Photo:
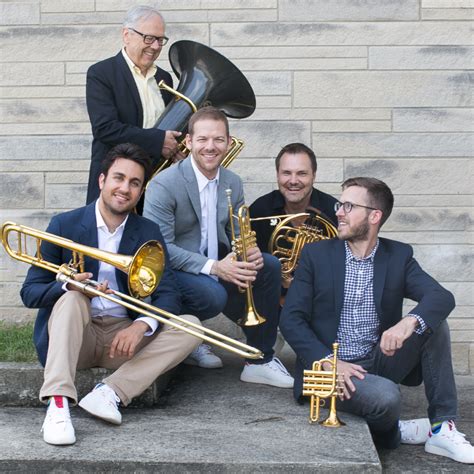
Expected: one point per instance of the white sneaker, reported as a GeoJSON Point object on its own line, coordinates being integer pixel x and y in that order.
{"type": "Point", "coordinates": [57, 427]}
{"type": "Point", "coordinates": [103, 403]}
{"type": "Point", "coordinates": [415, 431]}
{"type": "Point", "coordinates": [451, 443]}
{"type": "Point", "coordinates": [203, 357]}
{"type": "Point", "coordinates": [271, 373]}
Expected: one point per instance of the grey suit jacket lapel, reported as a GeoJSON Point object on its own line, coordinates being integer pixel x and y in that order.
{"type": "Point", "coordinates": [191, 186]}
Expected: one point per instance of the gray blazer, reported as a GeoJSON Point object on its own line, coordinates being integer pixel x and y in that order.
{"type": "Point", "coordinates": [172, 200]}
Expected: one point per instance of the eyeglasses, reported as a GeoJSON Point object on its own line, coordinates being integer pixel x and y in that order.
{"type": "Point", "coordinates": [150, 39]}
{"type": "Point", "coordinates": [347, 206]}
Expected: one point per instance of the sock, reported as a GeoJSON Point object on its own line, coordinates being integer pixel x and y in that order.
{"type": "Point", "coordinates": [436, 427]}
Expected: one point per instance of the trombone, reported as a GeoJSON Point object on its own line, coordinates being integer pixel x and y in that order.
{"type": "Point", "coordinates": [144, 270]}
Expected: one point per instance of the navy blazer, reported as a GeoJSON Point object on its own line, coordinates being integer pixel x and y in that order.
{"type": "Point", "coordinates": [312, 310]}
{"type": "Point", "coordinates": [116, 114]}
{"type": "Point", "coordinates": [41, 290]}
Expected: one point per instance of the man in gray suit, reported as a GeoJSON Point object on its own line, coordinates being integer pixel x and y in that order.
{"type": "Point", "coordinates": [189, 203]}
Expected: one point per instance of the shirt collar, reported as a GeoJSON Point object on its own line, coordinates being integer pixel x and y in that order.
{"type": "Point", "coordinates": [201, 179]}
{"type": "Point", "coordinates": [101, 223]}
{"type": "Point", "coordinates": [350, 256]}
{"type": "Point", "coordinates": [135, 69]}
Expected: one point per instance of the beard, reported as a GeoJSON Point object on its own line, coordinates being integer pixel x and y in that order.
{"type": "Point", "coordinates": [356, 234]}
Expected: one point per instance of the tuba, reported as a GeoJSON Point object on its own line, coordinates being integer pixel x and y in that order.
{"type": "Point", "coordinates": [205, 78]}
{"type": "Point", "coordinates": [240, 245]}
{"type": "Point", "coordinates": [144, 271]}
{"type": "Point", "coordinates": [321, 384]}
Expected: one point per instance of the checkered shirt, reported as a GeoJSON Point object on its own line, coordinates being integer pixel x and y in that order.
{"type": "Point", "coordinates": [358, 330]}
{"type": "Point", "coordinates": [359, 326]}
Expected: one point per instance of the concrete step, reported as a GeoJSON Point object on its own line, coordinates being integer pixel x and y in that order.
{"type": "Point", "coordinates": [20, 384]}
{"type": "Point", "coordinates": [207, 421]}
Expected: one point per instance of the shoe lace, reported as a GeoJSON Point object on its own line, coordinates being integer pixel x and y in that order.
{"type": "Point", "coordinates": [409, 428]}
{"type": "Point", "coordinates": [204, 349]}
{"type": "Point", "coordinates": [56, 414]}
{"type": "Point", "coordinates": [108, 395]}
{"type": "Point", "coordinates": [276, 365]}
{"type": "Point", "coordinates": [454, 435]}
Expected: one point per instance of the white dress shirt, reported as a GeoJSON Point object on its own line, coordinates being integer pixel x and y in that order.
{"type": "Point", "coordinates": [110, 242]}
{"type": "Point", "coordinates": [202, 182]}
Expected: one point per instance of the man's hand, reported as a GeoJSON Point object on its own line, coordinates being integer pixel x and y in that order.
{"type": "Point", "coordinates": [103, 287]}
{"type": "Point", "coordinates": [233, 271]}
{"type": "Point", "coordinates": [255, 256]}
{"type": "Point", "coordinates": [346, 370]}
{"type": "Point", "coordinates": [170, 145]}
{"type": "Point", "coordinates": [126, 340]}
{"type": "Point", "coordinates": [394, 337]}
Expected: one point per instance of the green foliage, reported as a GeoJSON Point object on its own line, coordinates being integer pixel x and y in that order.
{"type": "Point", "coordinates": [16, 343]}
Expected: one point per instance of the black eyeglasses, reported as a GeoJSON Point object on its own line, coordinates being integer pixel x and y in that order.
{"type": "Point", "coordinates": [150, 39]}
{"type": "Point", "coordinates": [347, 206]}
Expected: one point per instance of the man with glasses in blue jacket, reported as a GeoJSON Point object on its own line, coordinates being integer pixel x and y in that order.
{"type": "Point", "coordinates": [351, 290]}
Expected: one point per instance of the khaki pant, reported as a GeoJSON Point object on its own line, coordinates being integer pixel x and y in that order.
{"type": "Point", "coordinates": [77, 341]}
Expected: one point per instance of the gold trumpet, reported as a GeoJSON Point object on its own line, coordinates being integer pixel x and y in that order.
{"type": "Point", "coordinates": [144, 271]}
{"type": "Point", "coordinates": [240, 245]}
{"type": "Point", "coordinates": [287, 241]}
{"type": "Point", "coordinates": [321, 384]}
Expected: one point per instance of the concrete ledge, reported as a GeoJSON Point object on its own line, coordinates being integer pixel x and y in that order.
{"type": "Point", "coordinates": [20, 384]}
{"type": "Point", "coordinates": [208, 421]}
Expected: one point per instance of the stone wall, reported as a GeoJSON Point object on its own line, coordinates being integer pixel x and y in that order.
{"type": "Point", "coordinates": [376, 87]}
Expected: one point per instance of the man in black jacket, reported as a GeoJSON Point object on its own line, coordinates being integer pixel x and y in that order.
{"type": "Point", "coordinates": [296, 172]}
{"type": "Point", "coordinates": [123, 98]}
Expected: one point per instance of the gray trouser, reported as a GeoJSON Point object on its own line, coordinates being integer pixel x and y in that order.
{"type": "Point", "coordinates": [377, 398]}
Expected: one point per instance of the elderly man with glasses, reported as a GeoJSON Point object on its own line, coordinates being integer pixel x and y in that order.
{"type": "Point", "coordinates": [351, 290]}
{"type": "Point", "coordinates": [123, 98]}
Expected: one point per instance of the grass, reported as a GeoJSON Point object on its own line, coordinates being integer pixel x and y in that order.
{"type": "Point", "coordinates": [16, 343]}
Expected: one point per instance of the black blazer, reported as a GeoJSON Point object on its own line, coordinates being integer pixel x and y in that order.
{"type": "Point", "coordinates": [41, 290]}
{"type": "Point", "coordinates": [311, 314]}
{"type": "Point", "coordinates": [116, 114]}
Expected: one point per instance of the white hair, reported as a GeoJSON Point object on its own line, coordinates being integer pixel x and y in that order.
{"type": "Point", "coordinates": [138, 13]}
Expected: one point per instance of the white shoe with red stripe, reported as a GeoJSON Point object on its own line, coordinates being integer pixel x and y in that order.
{"type": "Point", "coordinates": [57, 427]}
{"type": "Point", "coordinates": [451, 443]}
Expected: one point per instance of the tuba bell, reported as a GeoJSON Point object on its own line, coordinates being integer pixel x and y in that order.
{"type": "Point", "coordinates": [206, 78]}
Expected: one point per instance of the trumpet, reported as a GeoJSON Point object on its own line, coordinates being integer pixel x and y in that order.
{"type": "Point", "coordinates": [240, 245]}
{"type": "Point", "coordinates": [144, 271]}
{"type": "Point", "coordinates": [321, 384]}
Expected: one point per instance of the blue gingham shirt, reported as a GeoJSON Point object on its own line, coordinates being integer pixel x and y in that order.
{"type": "Point", "coordinates": [359, 326]}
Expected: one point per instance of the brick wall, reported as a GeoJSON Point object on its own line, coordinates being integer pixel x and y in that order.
{"type": "Point", "coordinates": [376, 87]}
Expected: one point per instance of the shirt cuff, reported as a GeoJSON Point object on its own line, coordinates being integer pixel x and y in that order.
{"type": "Point", "coordinates": [152, 322]}
{"type": "Point", "coordinates": [206, 269]}
{"type": "Point", "coordinates": [421, 324]}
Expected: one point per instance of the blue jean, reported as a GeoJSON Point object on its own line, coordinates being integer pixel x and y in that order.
{"type": "Point", "coordinates": [205, 298]}
{"type": "Point", "coordinates": [377, 398]}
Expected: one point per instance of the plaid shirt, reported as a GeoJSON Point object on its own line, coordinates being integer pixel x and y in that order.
{"type": "Point", "coordinates": [358, 330]}
{"type": "Point", "coordinates": [359, 326]}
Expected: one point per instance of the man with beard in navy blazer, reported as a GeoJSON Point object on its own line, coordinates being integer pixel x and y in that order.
{"type": "Point", "coordinates": [75, 329]}
{"type": "Point", "coordinates": [123, 98]}
{"type": "Point", "coordinates": [351, 290]}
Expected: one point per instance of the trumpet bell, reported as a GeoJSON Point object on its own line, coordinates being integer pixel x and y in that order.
{"type": "Point", "coordinates": [252, 318]}
{"type": "Point", "coordinates": [146, 269]}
